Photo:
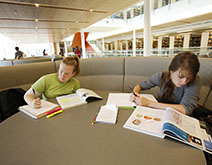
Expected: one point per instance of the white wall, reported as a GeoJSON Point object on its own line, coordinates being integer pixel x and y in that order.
{"type": "Point", "coordinates": [7, 48]}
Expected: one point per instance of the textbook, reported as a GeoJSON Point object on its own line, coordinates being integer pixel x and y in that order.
{"type": "Point", "coordinates": [107, 114]}
{"type": "Point", "coordinates": [169, 123]}
{"type": "Point", "coordinates": [122, 100]}
{"type": "Point", "coordinates": [82, 96]}
{"type": "Point", "coordinates": [37, 113]}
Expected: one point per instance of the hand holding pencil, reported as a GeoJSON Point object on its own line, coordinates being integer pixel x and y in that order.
{"type": "Point", "coordinates": [134, 95]}
{"type": "Point", "coordinates": [36, 103]}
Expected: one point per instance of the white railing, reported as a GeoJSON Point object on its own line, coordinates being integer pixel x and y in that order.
{"type": "Point", "coordinates": [165, 52]}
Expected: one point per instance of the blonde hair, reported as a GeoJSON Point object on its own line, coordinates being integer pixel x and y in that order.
{"type": "Point", "coordinates": [73, 61]}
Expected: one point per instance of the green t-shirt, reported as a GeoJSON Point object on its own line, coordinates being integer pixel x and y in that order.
{"type": "Point", "coordinates": [51, 87]}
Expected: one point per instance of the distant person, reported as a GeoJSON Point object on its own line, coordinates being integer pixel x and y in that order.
{"type": "Point", "coordinates": [61, 53]}
{"type": "Point", "coordinates": [55, 84]}
{"type": "Point", "coordinates": [18, 54]}
{"type": "Point", "coordinates": [44, 52]}
{"type": "Point", "coordinates": [77, 51]}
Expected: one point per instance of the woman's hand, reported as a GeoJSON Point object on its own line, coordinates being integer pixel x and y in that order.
{"type": "Point", "coordinates": [36, 103]}
{"type": "Point", "coordinates": [133, 97]}
{"type": "Point", "coordinates": [143, 101]}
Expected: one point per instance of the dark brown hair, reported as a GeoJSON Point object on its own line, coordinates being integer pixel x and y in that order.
{"type": "Point", "coordinates": [73, 61]}
{"type": "Point", "coordinates": [184, 60]}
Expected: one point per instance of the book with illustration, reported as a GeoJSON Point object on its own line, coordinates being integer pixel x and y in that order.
{"type": "Point", "coordinates": [82, 96]}
{"type": "Point", "coordinates": [169, 123]}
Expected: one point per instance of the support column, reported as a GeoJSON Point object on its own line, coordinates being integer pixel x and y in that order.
{"type": "Point", "coordinates": [172, 1]}
{"type": "Point", "coordinates": [204, 39]}
{"type": "Point", "coordinates": [160, 42]}
{"type": "Point", "coordinates": [57, 48]}
{"type": "Point", "coordinates": [171, 44]}
{"type": "Point", "coordinates": [126, 45]}
{"type": "Point", "coordinates": [186, 40]}
{"type": "Point", "coordinates": [134, 43]}
{"type": "Point", "coordinates": [107, 47]}
{"type": "Point", "coordinates": [111, 45]}
{"type": "Point", "coordinates": [160, 45]}
{"type": "Point", "coordinates": [83, 44]}
{"type": "Point", "coordinates": [65, 47]}
{"type": "Point", "coordinates": [204, 42]}
{"type": "Point", "coordinates": [125, 15]}
{"type": "Point", "coordinates": [131, 13]}
{"type": "Point", "coordinates": [160, 3]}
{"type": "Point", "coordinates": [147, 27]}
{"type": "Point", "coordinates": [116, 45]}
{"type": "Point", "coordinates": [120, 45]}
{"type": "Point", "coordinates": [103, 44]}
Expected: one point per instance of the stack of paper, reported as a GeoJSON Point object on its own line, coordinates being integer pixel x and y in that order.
{"type": "Point", "coordinates": [107, 114]}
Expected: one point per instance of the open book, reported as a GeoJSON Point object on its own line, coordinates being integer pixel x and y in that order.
{"type": "Point", "coordinates": [122, 100]}
{"type": "Point", "coordinates": [107, 114]}
{"type": "Point", "coordinates": [169, 123]}
{"type": "Point", "coordinates": [37, 113]}
{"type": "Point", "coordinates": [82, 96]}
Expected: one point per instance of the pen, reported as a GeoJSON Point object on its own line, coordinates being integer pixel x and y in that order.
{"type": "Point", "coordinates": [35, 96]}
{"type": "Point", "coordinates": [133, 91]}
{"type": "Point", "coordinates": [55, 113]}
{"type": "Point", "coordinates": [52, 111]}
{"type": "Point", "coordinates": [94, 120]}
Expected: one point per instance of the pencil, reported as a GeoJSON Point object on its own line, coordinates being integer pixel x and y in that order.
{"type": "Point", "coordinates": [94, 120]}
{"type": "Point", "coordinates": [35, 96]}
{"type": "Point", "coordinates": [132, 91]}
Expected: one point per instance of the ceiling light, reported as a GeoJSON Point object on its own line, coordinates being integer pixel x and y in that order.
{"type": "Point", "coordinates": [36, 20]}
{"type": "Point", "coordinates": [36, 5]}
{"type": "Point", "coordinates": [36, 27]}
{"type": "Point", "coordinates": [91, 10]}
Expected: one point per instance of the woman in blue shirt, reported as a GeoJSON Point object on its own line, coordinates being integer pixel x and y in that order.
{"type": "Point", "coordinates": [179, 86]}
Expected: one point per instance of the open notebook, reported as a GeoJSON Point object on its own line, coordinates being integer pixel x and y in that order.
{"type": "Point", "coordinates": [37, 113]}
{"type": "Point", "coordinates": [122, 100]}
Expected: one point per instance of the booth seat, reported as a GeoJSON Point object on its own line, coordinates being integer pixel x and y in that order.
{"type": "Point", "coordinates": [6, 62]}
{"type": "Point", "coordinates": [106, 74]}
{"type": "Point", "coordinates": [101, 73]}
{"type": "Point", "coordinates": [23, 76]}
{"type": "Point", "coordinates": [29, 60]}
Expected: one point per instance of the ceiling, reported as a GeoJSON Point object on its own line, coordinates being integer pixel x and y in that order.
{"type": "Point", "coordinates": [39, 21]}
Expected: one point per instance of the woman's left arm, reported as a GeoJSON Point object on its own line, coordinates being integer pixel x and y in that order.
{"type": "Point", "coordinates": [142, 101]}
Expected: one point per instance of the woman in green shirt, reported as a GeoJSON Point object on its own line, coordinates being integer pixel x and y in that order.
{"type": "Point", "coordinates": [55, 84]}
